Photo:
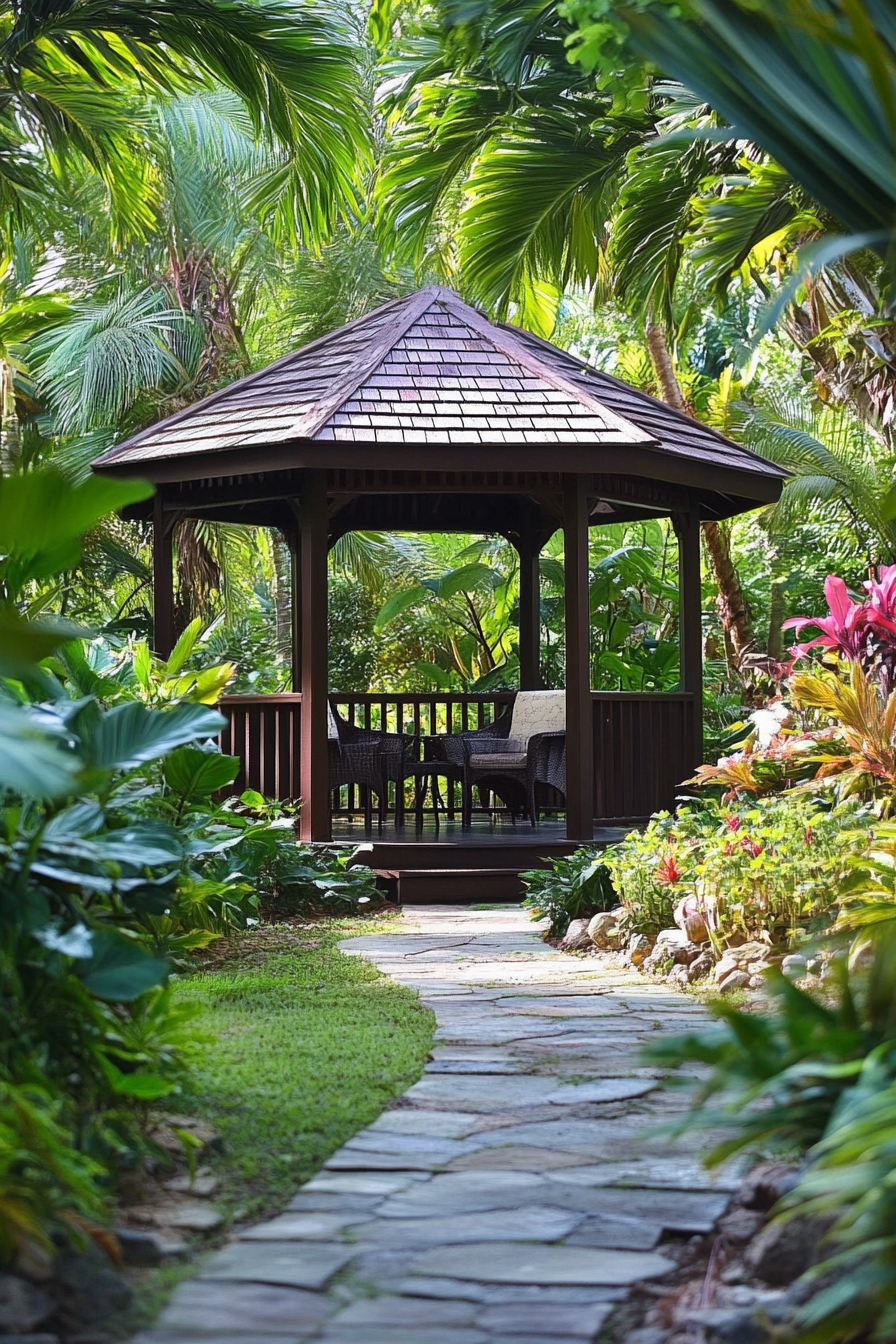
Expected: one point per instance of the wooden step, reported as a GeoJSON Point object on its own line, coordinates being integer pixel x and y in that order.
{"type": "Point", "coordinates": [455, 886]}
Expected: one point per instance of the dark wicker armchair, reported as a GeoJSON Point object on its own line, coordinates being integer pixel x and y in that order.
{"type": "Point", "coordinates": [521, 750]}
{"type": "Point", "coordinates": [370, 758]}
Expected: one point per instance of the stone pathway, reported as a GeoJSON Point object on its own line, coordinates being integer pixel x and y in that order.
{"type": "Point", "coordinates": [512, 1196]}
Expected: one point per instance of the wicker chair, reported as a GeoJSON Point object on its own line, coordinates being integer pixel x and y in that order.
{"type": "Point", "coordinates": [530, 751]}
{"type": "Point", "coordinates": [369, 758]}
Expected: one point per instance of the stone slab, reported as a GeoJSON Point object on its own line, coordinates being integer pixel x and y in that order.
{"type": "Point", "coordinates": [528, 1222]}
{"type": "Point", "coordinates": [372, 1183]}
{"type": "Point", "coordinates": [513, 1262]}
{"type": "Point", "coordinates": [549, 1319]}
{"type": "Point", "coordinates": [249, 1308]}
{"type": "Point", "coordinates": [303, 1227]}
{"type": "Point", "coordinates": [439, 1124]}
{"type": "Point", "coordinates": [469, 1192]}
{"type": "Point", "coordinates": [604, 1089]}
{"type": "Point", "coordinates": [516, 1157]}
{"type": "Point", "coordinates": [483, 1094]}
{"type": "Point", "coordinates": [391, 1309]}
{"type": "Point", "coordinates": [391, 1334]}
{"type": "Point", "coordinates": [284, 1263]}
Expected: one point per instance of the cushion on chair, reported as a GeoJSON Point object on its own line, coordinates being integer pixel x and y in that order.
{"type": "Point", "coordinates": [538, 712]}
{"type": "Point", "coordinates": [332, 730]}
{"type": "Point", "coordinates": [498, 760]}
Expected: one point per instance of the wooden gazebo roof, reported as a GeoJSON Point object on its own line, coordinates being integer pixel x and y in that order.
{"type": "Point", "coordinates": [427, 384]}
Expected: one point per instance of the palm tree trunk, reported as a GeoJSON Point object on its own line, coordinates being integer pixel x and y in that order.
{"type": "Point", "coordinates": [734, 612]}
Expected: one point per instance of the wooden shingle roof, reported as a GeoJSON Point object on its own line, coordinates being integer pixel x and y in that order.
{"type": "Point", "coordinates": [427, 372]}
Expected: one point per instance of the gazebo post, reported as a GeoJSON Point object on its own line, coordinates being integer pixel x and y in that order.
{"type": "Point", "coordinates": [162, 578]}
{"type": "Point", "coordinates": [579, 710]}
{"type": "Point", "coordinates": [314, 818]}
{"type": "Point", "coordinates": [687, 528]}
{"type": "Point", "coordinates": [529, 551]}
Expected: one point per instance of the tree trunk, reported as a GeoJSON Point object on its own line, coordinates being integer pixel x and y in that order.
{"type": "Point", "coordinates": [734, 611]}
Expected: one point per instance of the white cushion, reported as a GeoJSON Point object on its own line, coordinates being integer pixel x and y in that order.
{"type": "Point", "coordinates": [498, 760]}
{"type": "Point", "coordinates": [538, 712]}
{"type": "Point", "coordinates": [332, 730]}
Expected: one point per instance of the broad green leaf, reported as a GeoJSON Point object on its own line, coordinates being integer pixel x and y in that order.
{"type": "Point", "coordinates": [31, 762]}
{"type": "Point", "coordinates": [467, 578]}
{"type": "Point", "coordinates": [197, 774]}
{"type": "Point", "coordinates": [40, 511]}
{"type": "Point", "coordinates": [130, 735]}
{"type": "Point", "coordinates": [397, 603]}
{"type": "Point", "coordinates": [24, 643]}
{"type": "Point", "coordinates": [119, 969]}
{"type": "Point", "coordinates": [184, 647]}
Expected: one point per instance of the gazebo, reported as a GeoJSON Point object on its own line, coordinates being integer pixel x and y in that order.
{"type": "Point", "coordinates": [425, 416]}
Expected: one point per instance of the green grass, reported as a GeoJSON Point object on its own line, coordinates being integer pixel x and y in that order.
{"type": "Point", "coordinates": [304, 1047]}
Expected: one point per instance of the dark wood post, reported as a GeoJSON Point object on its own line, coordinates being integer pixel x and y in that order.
{"type": "Point", "coordinates": [690, 621]}
{"type": "Point", "coordinates": [314, 818]}
{"type": "Point", "coordinates": [529, 550]}
{"type": "Point", "coordinates": [579, 711]}
{"type": "Point", "coordinates": [296, 611]}
{"type": "Point", "coordinates": [162, 578]}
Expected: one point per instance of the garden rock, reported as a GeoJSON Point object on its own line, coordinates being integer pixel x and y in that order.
{"type": "Point", "coordinates": [740, 1225]}
{"type": "Point", "coordinates": [603, 930]}
{"type": "Point", "coordinates": [734, 980]}
{"type": "Point", "coordinates": [700, 968]}
{"type": "Point", "coordinates": [795, 966]}
{"type": "Point", "coordinates": [767, 1183]}
{"type": "Point", "coordinates": [22, 1305]}
{"type": "Point", "coordinates": [688, 952]}
{"type": "Point", "coordinates": [784, 1251]}
{"type": "Point", "coordinates": [577, 936]}
{"type": "Point", "coordinates": [639, 948]}
{"type": "Point", "coordinates": [731, 1326]}
{"type": "Point", "coordinates": [670, 939]}
{"type": "Point", "coordinates": [680, 975]}
{"type": "Point", "coordinates": [141, 1249]}
{"type": "Point", "coordinates": [87, 1289]}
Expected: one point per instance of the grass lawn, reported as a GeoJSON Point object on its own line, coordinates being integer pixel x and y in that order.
{"type": "Point", "coordinates": [305, 1046]}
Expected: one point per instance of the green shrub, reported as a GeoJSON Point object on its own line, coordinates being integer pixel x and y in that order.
{"type": "Point", "coordinates": [763, 870]}
{"type": "Point", "coordinates": [573, 888]}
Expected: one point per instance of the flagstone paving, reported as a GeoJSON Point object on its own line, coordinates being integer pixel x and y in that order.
{"type": "Point", "coordinates": [514, 1195]}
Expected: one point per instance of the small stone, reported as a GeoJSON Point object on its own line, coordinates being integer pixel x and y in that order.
{"type": "Point", "coordinates": [734, 980]}
{"type": "Point", "coordinates": [784, 1251]}
{"type": "Point", "coordinates": [680, 975]}
{"type": "Point", "coordinates": [795, 966]}
{"type": "Point", "coordinates": [767, 1183]}
{"type": "Point", "coordinates": [193, 1218]}
{"type": "Point", "coordinates": [22, 1304]}
{"type": "Point", "coordinates": [140, 1248]}
{"type": "Point", "coordinates": [577, 936]}
{"type": "Point", "coordinates": [604, 932]}
{"type": "Point", "coordinates": [730, 1326]}
{"type": "Point", "coordinates": [700, 967]}
{"type": "Point", "coordinates": [686, 953]}
{"type": "Point", "coordinates": [87, 1289]}
{"type": "Point", "coordinates": [670, 938]}
{"type": "Point", "coordinates": [203, 1186]}
{"type": "Point", "coordinates": [639, 948]}
{"type": "Point", "coordinates": [740, 1225]}
{"type": "Point", "coordinates": [695, 928]}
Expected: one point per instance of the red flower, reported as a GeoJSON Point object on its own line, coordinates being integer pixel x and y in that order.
{"type": "Point", "coordinates": [808, 835]}
{"type": "Point", "coordinates": [668, 872]}
{"type": "Point", "coordinates": [751, 847]}
{"type": "Point", "coordinates": [733, 823]}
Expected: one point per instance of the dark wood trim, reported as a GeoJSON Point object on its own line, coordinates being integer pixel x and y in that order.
{"type": "Point", "coordinates": [314, 818]}
{"type": "Point", "coordinates": [687, 528]}
{"type": "Point", "coordinates": [579, 713]}
{"type": "Point", "coordinates": [163, 635]}
{"type": "Point", "coordinates": [740, 489]}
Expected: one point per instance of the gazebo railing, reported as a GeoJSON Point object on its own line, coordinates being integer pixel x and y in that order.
{"type": "Point", "coordinates": [643, 742]}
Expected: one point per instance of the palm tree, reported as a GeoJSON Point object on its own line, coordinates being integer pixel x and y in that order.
{"type": "Point", "coordinates": [74, 76]}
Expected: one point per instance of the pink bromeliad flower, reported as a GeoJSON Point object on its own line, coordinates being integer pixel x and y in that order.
{"type": "Point", "coordinates": [844, 630]}
{"type": "Point", "coordinates": [881, 604]}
